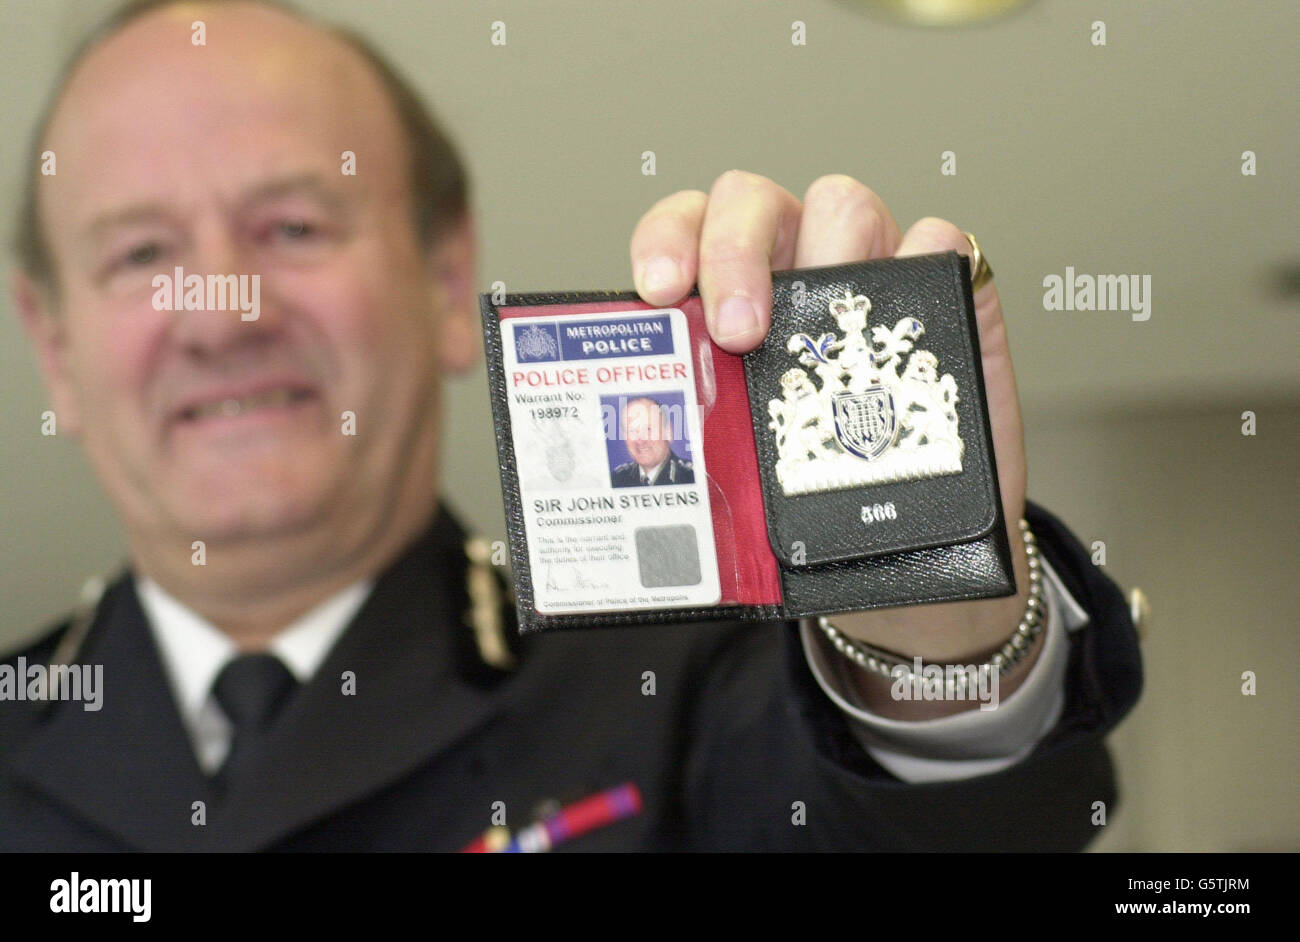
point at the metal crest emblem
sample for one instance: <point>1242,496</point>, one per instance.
<point>865,422</point>
<point>881,413</point>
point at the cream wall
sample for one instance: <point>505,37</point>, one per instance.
<point>1206,522</point>
<point>1116,159</point>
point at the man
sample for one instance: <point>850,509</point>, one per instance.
<point>288,664</point>
<point>648,434</point>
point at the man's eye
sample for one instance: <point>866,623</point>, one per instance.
<point>142,254</point>
<point>296,228</point>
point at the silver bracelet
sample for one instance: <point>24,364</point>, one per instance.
<point>1021,642</point>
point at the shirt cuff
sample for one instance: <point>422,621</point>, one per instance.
<point>971,743</point>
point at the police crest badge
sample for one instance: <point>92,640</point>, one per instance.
<point>878,411</point>
<point>874,443</point>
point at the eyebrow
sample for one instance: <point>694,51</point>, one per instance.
<point>305,184</point>
<point>300,184</point>
<point>138,213</point>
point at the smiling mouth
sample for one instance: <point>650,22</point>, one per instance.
<point>242,405</point>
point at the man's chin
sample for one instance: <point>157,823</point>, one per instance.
<point>259,515</point>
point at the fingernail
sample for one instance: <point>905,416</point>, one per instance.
<point>736,317</point>
<point>660,274</point>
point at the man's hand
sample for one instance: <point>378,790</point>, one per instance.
<point>730,240</point>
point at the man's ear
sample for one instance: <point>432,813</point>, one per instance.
<point>454,261</point>
<point>44,325</point>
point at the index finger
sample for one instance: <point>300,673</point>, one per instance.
<point>665,247</point>
<point>750,228</point>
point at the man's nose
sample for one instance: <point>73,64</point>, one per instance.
<point>225,305</point>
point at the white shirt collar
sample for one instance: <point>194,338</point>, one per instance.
<point>194,651</point>
<point>654,472</point>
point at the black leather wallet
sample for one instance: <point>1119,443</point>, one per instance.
<point>845,464</point>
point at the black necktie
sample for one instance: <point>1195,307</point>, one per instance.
<point>251,690</point>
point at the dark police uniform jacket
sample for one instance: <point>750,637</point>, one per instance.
<point>735,734</point>
<point>674,471</point>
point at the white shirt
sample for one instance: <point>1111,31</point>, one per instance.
<point>648,477</point>
<point>974,742</point>
<point>194,651</point>
<point>971,743</point>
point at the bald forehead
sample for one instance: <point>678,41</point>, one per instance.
<point>253,45</point>
<point>644,403</point>
<point>257,61</point>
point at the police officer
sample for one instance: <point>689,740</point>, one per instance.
<point>648,424</point>
<point>302,654</point>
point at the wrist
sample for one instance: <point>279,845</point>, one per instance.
<point>948,632</point>
<point>879,694</point>
<point>952,679</point>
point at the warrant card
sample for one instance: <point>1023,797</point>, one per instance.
<point>612,481</point>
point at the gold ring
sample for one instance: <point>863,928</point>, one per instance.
<point>981,273</point>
